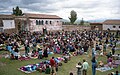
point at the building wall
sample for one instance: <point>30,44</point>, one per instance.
<point>75,27</point>
<point>96,27</point>
<point>111,27</point>
<point>8,24</point>
<point>52,24</point>
<point>9,31</point>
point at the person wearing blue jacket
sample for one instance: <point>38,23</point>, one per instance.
<point>94,65</point>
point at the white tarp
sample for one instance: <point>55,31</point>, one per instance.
<point>8,24</point>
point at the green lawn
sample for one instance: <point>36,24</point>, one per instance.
<point>9,67</point>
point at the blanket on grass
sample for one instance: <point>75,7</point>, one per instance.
<point>32,68</point>
<point>103,69</point>
<point>24,58</point>
<point>28,68</point>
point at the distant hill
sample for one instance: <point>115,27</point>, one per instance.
<point>97,20</point>
<point>76,22</point>
<point>65,20</point>
<point>6,13</point>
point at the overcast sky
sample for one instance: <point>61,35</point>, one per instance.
<point>87,9</point>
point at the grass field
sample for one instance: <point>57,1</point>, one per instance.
<point>9,67</point>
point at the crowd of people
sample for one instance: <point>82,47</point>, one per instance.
<point>69,43</point>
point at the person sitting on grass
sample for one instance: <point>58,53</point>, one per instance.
<point>117,73</point>
<point>71,73</point>
<point>110,61</point>
<point>40,53</point>
<point>109,55</point>
<point>48,70</point>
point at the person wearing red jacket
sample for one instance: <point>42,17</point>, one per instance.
<point>52,63</point>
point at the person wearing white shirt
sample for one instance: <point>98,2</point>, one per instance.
<point>85,66</point>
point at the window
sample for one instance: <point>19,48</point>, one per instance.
<point>37,23</point>
<point>1,29</point>
<point>42,22</point>
<point>46,22</point>
<point>50,22</point>
<point>114,26</point>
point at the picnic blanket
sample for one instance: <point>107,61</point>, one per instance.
<point>114,64</point>
<point>117,62</point>
<point>24,58</point>
<point>32,68</point>
<point>103,69</point>
<point>107,68</point>
<point>28,68</point>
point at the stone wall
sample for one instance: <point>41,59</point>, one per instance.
<point>75,27</point>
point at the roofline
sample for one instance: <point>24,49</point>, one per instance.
<point>27,15</point>
<point>43,18</point>
<point>96,23</point>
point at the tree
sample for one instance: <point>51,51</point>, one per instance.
<point>73,16</point>
<point>82,22</point>
<point>17,12</point>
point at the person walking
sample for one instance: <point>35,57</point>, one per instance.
<point>85,67</point>
<point>94,65</point>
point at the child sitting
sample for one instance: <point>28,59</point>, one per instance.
<point>110,61</point>
<point>101,64</point>
<point>40,54</point>
<point>47,71</point>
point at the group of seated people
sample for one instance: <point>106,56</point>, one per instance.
<point>114,73</point>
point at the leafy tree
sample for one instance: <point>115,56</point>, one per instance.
<point>73,16</point>
<point>82,22</point>
<point>17,12</point>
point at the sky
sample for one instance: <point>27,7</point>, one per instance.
<point>86,9</point>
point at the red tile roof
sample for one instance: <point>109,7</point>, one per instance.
<point>6,16</point>
<point>95,23</point>
<point>116,22</point>
<point>41,16</point>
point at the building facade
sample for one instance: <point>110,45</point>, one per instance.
<point>113,25</point>
<point>36,22</point>
<point>7,23</point>
<point>96,26</point>
<point>29,22</point>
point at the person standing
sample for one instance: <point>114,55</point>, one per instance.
<point>79,67</point>
<point>93,52</point>
<point>94,65</point>
<point>104,47</point>
<point>85,67</point>
<point>52,63</point>
<point>27,49</point>
<point>16,52</point>
<point>113,50</point>
<point>45,53</point>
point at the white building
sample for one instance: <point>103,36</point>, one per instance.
<point>36,22</point>
<point>7,22</point>
<point>30,22</point>
<point>111,24</point>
